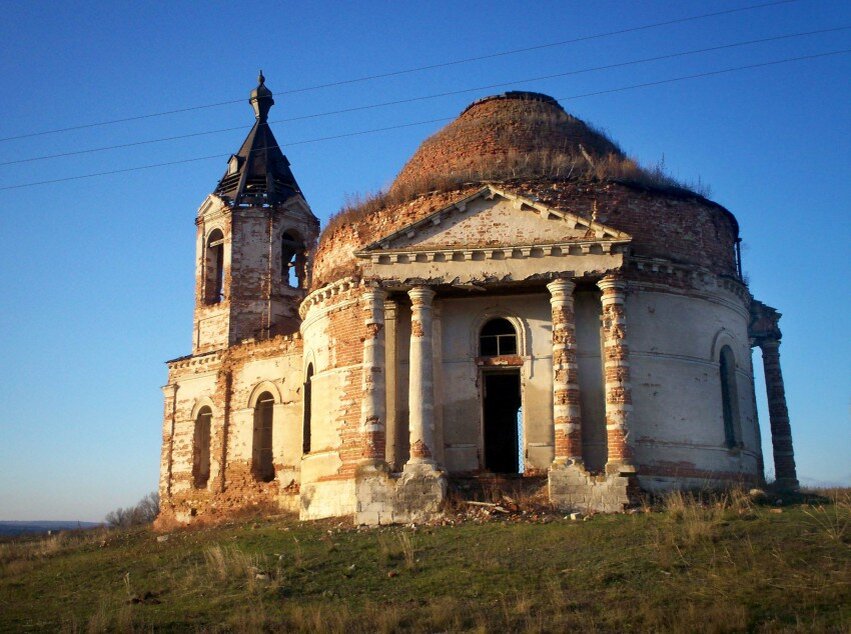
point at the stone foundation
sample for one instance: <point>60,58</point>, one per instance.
<point>572,488</point>
<point>416,495</point>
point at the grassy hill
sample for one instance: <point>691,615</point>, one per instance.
<point>714,566</point>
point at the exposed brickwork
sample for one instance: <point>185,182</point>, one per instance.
<point>616,369</point>
<point>504,245</point>
<point>495,130</point>
<point>778,414</point>
<point>674,226</point>
<point>235,486</point>
<point>567,419</point>
<point>664,222</point>
<point>685,469</point>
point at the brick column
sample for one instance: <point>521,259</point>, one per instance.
<point>421,384</point>
<point>373,400</point>
<point>167,451</point>
<point>778,415</point>
<point>616,372</point>
<point>567,420</point>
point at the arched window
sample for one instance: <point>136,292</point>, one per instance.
<point>214,267</point>
<point>729,397</point>
<point>497,338</point>
<point>201,449</point>
<point>264,469</point>
<point>292,260</point>
<point>308,396</point>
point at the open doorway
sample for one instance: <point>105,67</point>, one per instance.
<point>503,424</point>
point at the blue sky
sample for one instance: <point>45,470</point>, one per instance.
<point>97,273</point>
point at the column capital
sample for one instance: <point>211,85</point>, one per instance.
<point>421,295</point>
<point>375,293</point>
<point>561,288</point>
<point>612,281</point>
<point>768,343</point>
<point>390,308</point>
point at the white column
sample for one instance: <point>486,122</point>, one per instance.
<point>390,368</point>
<point>421,383</point>
<point>373,402</point>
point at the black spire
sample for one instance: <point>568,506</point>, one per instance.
<point>259,173</point>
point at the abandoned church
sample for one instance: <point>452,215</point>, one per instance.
<point>524,300</point>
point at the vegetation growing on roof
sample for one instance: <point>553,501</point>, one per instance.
<point>528,141</point>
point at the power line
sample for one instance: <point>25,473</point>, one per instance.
<point>408,70</point>
<point>433,96</point>
<point>407,125</point>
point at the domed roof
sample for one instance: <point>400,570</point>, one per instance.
<point>527,144</point>
<point>504,136</point>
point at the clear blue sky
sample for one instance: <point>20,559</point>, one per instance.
<point>97,274</point>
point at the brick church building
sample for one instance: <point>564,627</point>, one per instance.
<point>524,300</point>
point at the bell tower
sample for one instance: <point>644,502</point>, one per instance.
<point>254,233</point>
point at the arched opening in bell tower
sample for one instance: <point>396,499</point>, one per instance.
<point>292,260</point>
<point>214,267</point>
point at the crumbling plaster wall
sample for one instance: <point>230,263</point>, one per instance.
<point>229,382</point>
<point>258,300</point>
<point>675,333</point>
<point>333,331</point>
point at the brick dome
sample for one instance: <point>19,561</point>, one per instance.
<point>528,144</point>
<point>498,136</point>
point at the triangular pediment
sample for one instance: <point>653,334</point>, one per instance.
<point>492,218</point>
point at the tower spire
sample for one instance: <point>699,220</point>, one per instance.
<point>259,173</point>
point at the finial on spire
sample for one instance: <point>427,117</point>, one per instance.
<point>261,99</point>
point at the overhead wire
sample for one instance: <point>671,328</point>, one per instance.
<point>433,96</point>
<point>363,132</point>
<point>409,70</point>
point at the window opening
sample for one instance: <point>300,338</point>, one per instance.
<point>497,338</point>
<point>727,368</point>
<point>292,260</point>
<point>308,397</point>
<point>201,449</point>
<point>264,469</point>
<point>214,265</point>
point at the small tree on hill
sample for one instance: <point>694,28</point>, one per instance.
<point>144,512</point>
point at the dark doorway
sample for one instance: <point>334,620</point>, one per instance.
<point>502,421</point>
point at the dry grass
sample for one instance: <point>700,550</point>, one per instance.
<point>695,562</point>
<point>546,145</point>
<point>833,515</point>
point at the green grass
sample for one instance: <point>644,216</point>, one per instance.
<point>719,566</point>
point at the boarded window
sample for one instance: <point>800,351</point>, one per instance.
<point>729,398</point>
<point>214,268</point>
<point>201,448</point>
<point>264,469</point>
<point>497,338</point>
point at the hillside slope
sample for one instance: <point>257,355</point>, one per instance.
<point>716,567</point>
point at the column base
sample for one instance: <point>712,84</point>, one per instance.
<point>572,488</point>
<point>415,496</point>
<point>787,484</point>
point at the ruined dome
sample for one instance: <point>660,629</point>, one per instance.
<point>527,144</point>
<point>503,136</point>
